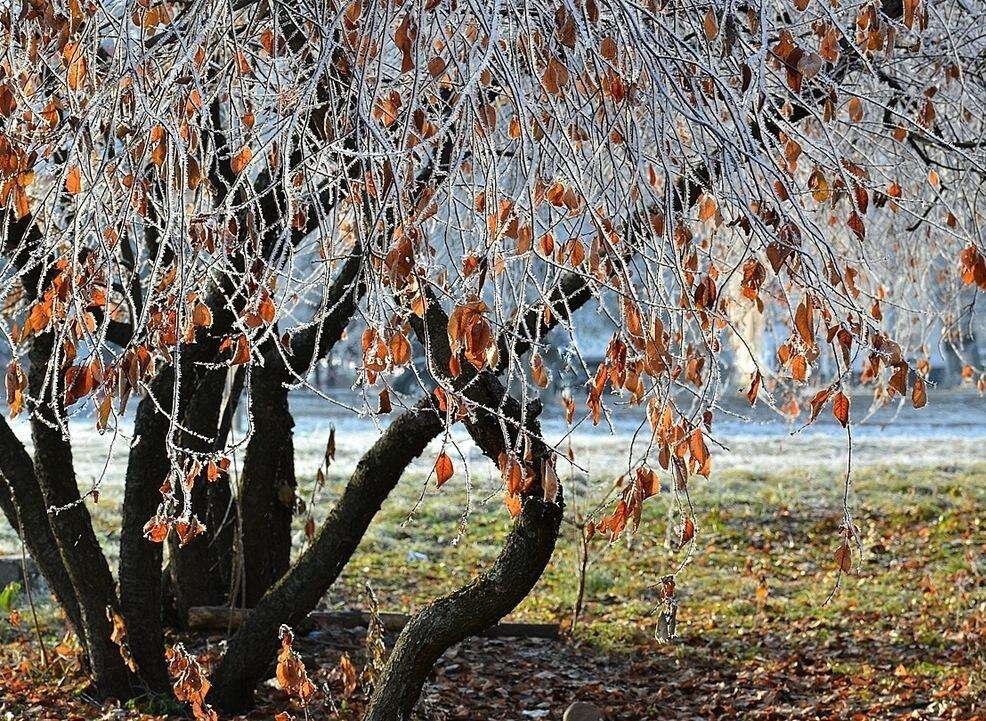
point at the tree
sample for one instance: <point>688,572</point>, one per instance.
<point>200,199</point>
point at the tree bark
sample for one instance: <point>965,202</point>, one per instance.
<point>466,612</point>
<point>140,559</point>
<point>72,526</point>
<point>250,650</point>
<point>267,484</point>
<point>203,569</point>
<point>24,506</point>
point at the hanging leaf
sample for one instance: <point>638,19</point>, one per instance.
<point>840,408</point>
<point>385,405</point>
<point>443,469</point>
<point>710,24</point>
<point>919,395</point>
<point>73,180</point>
<point>291,674</point>
<point>240,161</point>
<point>687,532</point>
<point>751,394</point>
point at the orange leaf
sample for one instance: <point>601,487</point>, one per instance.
<point>514,504</point>
<point>241,160</point>
<point>156,529</point>
<point>242,354</point>
<point>73,180</point>
<point>711,24</point>
<point>919,394</point>
<point>687,531</point>
<point>443,469</point>
<point>840,408</point>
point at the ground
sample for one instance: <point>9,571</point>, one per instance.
<point>902,637</point>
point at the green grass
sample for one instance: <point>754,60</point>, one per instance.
<point>920,526</point>
<point>905,628</point>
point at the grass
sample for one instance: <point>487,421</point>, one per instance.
<point>904,630</point>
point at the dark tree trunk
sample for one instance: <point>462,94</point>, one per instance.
<point>496,427</point>
<point>251,649</point>
<point>267,483</point>
<point>466,612</point>
<point>202,570</point>
<point>140,559</point>
<point>25,509</point>
<point>72,526</point>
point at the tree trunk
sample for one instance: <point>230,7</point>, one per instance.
<point>72,526</point>
<point>140,559</point>
<point>250,650</point>
<point>24,507</point>
<point>203,569</point>
<point>267,483</point>
<point>466,612</point>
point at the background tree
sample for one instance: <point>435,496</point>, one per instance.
<point>199,199</point>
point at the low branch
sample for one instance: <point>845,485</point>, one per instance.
<point>466,612</point>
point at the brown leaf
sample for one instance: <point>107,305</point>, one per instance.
<point>919,394</point>
<point>843,558</point>
<point>840,408</point>
<point>687,531</point>
<point>202,316</point>
<point>156,529</point>
<point>549,482</point>
<point>711,24</point>
<point>818,402</point>
<point>751,395</point>
<point>385,405</point>
<point>898,381</point>
<point>514,504</point>
<point>291,674</point>
<point>242,353</point>
<point>804,323</point>
<point>119,636</point>
<point>350,679</point>
<point>443,469</point>
<point>855,110</point>
<point>240,161</point>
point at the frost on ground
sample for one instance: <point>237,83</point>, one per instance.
<point>950,431</point>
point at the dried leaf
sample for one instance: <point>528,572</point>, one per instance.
<point>73,180</point>
<point>919,394</point>
<point>240,161</point>
<point>443,469</point>
<point>840,408</point>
